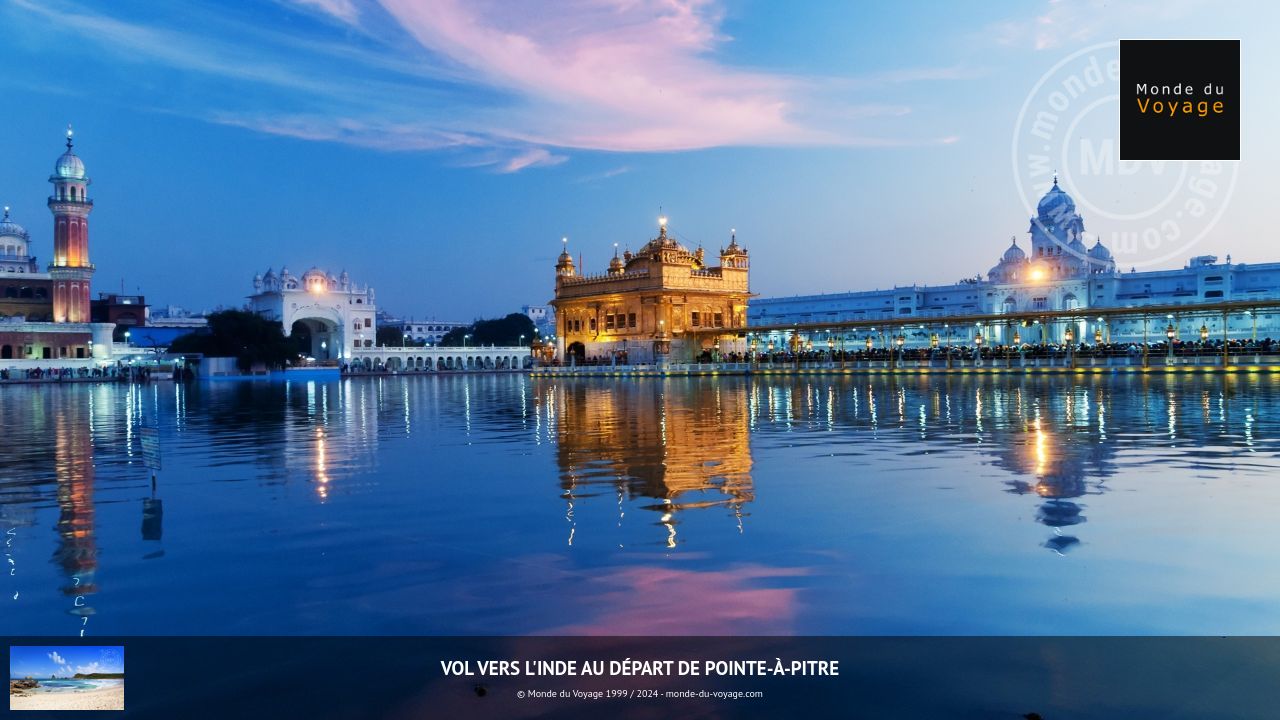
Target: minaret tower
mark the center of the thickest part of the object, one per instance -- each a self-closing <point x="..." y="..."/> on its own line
<point x="70" y="270"/>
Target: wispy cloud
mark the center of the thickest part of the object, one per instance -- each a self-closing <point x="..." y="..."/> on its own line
<point x="533" y="157"/>
<point x="610" y="173"/>
<point x="343" y="10"/>
<point x="56" y="658"/>
<point x="1065" y="22"/>
<point x="515" y="85"/>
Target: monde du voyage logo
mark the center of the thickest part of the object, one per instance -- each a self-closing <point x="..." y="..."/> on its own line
<point x="1150" y="183"/>
<point x="1180" y="99"/>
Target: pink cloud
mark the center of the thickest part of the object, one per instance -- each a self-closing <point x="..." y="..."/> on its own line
<point x="612" y="74"/>
<point x="506" y="86"/>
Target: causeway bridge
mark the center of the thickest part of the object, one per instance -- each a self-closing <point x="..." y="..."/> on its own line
<point x="439" y="359"/>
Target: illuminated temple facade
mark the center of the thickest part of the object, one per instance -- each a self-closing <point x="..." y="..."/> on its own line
<point x="1059" y="270"/>
<point x="662" y="301"/>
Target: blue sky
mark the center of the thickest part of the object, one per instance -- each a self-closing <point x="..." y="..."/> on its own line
<point x="64" y="661"/>
<point x="439" y="150"/>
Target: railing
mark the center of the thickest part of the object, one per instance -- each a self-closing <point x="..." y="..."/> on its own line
<point x="1067" y="362"/>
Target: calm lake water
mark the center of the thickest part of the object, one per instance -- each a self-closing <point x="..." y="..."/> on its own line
<point x="504" y="504"/>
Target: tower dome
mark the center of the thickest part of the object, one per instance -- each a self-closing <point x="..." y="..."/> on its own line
<point x="616" y="266"/>
<point x="564" y="263"/>
<point x="1076" y="245"/>
<point x="1099" y="252"/>
<point x="69" y="165"/>
<point x="1056" y="203"/>
<point x="1014" y="253"/>
<point x="9" y="228"/>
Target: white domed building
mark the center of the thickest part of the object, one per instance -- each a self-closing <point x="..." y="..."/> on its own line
<point x="338" y="316"/>
<point x="15" y="248"/>
<point x="1062" y="269"/>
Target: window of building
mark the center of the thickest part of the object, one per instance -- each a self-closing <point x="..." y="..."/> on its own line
<point x="591" y="324"/>
<point x="368" y="322"/>
<point x="1213" y="293"/>
<point x="1213" y="279"/>
<point x="719" y="320"/>
<point x="608" y="321"/>
<point x="1039" y="303"/>
<point x="631" y="319"/>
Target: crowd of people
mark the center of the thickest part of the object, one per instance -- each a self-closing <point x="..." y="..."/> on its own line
<point x="118" y="372"/>
<point x="965" y="353"/>
<point x="968" y="353"/>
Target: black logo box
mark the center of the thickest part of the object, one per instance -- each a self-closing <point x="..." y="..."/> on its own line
<point x="1178" y="72"/>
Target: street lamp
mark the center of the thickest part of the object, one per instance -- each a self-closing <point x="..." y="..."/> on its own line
<point x="977" y="355"/>
<point x="465" y="338"/>
<point x="1069" y="336"/>
<point x="1171" y="332"/>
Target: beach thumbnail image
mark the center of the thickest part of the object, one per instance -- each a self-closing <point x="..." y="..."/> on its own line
<point x="70" y="677"/>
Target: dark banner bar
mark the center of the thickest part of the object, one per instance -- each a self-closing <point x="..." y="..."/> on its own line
<point x="546" y="677"/>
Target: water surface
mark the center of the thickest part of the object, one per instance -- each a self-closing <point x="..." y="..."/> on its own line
<point x="503" y="504"/>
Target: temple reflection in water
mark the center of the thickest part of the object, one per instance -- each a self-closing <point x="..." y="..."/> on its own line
<point x="430" y="479"/>
<point x="688" y="443"/>
<point x="685" y="444"/>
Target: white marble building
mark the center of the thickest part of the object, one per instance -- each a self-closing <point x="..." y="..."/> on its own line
<point x="339" y="315"/>
<point x="1060" y="271"/>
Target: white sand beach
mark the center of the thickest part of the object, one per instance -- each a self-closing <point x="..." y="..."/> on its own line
<point x="107" y="698"/>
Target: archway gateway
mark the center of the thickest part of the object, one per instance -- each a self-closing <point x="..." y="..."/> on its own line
<point x="317" y="338"/>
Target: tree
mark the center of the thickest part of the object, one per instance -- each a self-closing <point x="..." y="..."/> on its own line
<point x="389" y="335"/>
<point x="498" y="331"/>
<point x="248" y="337"/>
